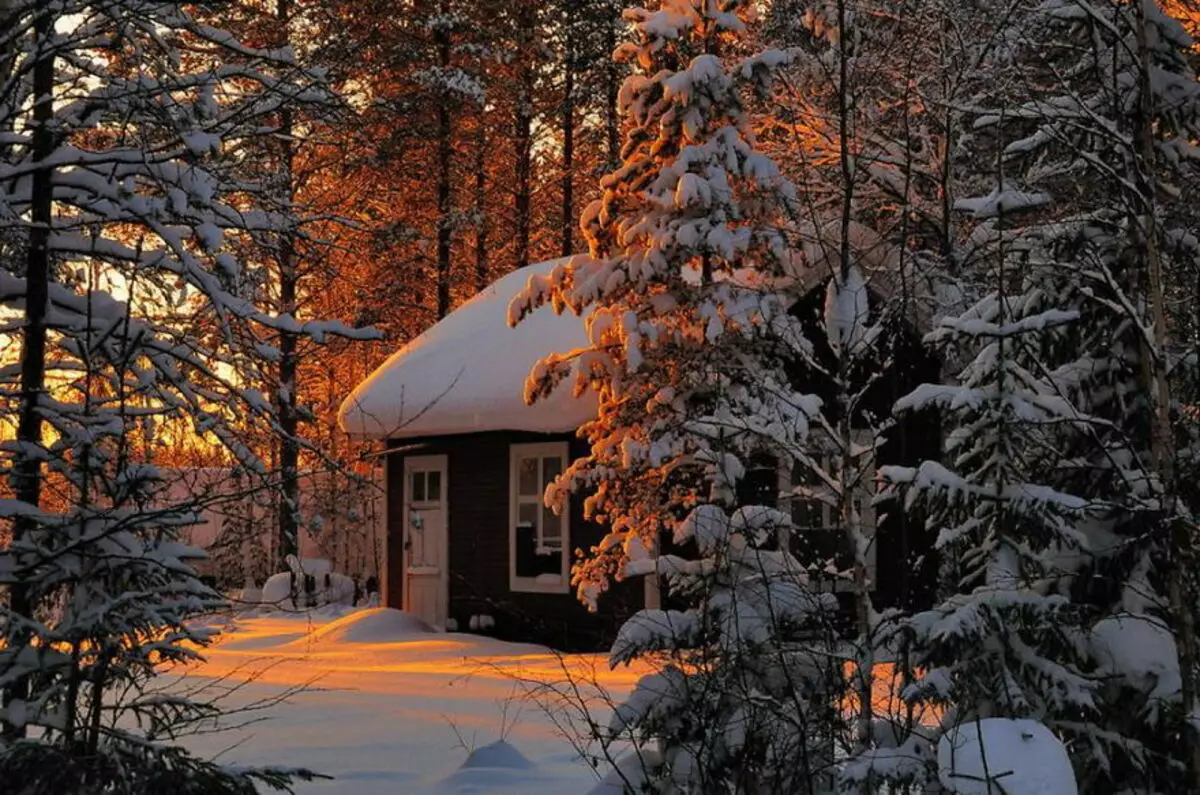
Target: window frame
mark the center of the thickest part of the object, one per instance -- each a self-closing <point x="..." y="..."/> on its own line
<point x="821" y="581"/>
<point x="540" y="450"/>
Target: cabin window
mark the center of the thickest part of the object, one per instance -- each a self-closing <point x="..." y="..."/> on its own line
<point x="819" y="539"/>
<point x="539" y="541"/>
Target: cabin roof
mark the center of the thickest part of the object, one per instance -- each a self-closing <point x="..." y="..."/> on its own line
<point x="466" y="374"/>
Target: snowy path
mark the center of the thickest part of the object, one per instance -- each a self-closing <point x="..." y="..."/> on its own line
<point x="390" y="701"/>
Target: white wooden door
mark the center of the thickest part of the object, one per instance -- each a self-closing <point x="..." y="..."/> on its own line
<point x="425" y="549"/>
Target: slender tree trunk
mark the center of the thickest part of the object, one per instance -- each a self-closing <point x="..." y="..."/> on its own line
<point x="289" y="425"/>
<point x="481" y="218"/>
<point x="523" y="199"/>
<point x="849" y="517"/>
<point x="8" y="60"/>
<point x="945" y="150"/>
<point x="612" y="87"/>
<point x="445" y="187"/>
<point x="27" y="469"/>
<point x="1181" y="539"/>
<point x="568" y="135"/>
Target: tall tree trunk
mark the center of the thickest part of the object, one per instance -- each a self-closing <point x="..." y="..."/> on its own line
<point x="445" y="174"/>
<point x="27" y="468"/>
<point x="851" y="520"/>
<point x="289" y="424"/>
<point x="8" y="60"/>
<point x="523" y="134"/>
<point x="568" y="135"/>
<point x="612" y="88"/>
<point x="1181" y="538"/>
<point x="481" y="219"/>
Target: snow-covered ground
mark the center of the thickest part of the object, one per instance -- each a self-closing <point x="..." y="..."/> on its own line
<point x="389" y="702"/>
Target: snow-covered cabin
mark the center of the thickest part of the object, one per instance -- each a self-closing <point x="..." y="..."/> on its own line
<point x="469" y="544"/>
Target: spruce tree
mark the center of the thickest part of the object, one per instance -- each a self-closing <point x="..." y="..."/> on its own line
<point x="686" y="294"/>
<point x="1088" y="137"/>
<point x="121" y="190"/>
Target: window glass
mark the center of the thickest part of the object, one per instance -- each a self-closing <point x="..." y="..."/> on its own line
<point x="433" y="486"/>
<point x="539" y="538"/>
<point x="527" y="477"/>
<point x="418" y="487"/>
<point x="551" y="468"/>
<point x="551" y="529"/>
<point x="527" y="513"/>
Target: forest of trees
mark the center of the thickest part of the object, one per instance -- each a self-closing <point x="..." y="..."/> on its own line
<point x="216" y="218"/>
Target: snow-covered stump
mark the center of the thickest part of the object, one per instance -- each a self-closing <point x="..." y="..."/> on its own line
<point x="1004" y="756"/>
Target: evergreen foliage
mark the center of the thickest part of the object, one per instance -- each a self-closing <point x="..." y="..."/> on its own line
<point x="685" y="291"/>
<point x="125" y="196"/>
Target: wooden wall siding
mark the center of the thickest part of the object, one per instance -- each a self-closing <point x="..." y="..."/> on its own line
<point x="478" y="495"/>
<point x="906" y="563"/>
<point x="394" y="584"/>
<point x="477" y="500"/>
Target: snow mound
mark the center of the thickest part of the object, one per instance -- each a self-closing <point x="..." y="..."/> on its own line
<point x="276" y="590"/>
<point x="1022" y="758"/>
<point x="467" y="373"/>
<point x="497" y="755"/>
<point x="375" y="625"/>
<point x="497" y="767"/>
<point x="1140" y="649"/>
<point x="329" y="586"/>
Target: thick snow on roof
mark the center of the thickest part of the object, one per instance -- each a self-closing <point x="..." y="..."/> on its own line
<point x="467" y="373"/>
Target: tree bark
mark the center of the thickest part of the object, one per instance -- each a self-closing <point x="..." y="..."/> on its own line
<point x="289" y="421"/>
<point x="851" y="520"/>
<point x="1181" y="534"/>
<point x="27" y="468"/>
<point x="445" y="187"/>
<point x="568" y="135"/>
<point x="481" y="219"/>
<point x="612" y="87"/>
<point x="523" y="135"/>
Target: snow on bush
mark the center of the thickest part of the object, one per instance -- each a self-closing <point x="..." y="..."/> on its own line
<point x="497" y="755"/>
<point x="328" y="587"/>
<point x="629" y="774"/>
<point x="1003" y="756"/>
<point x="1141" y="650"/>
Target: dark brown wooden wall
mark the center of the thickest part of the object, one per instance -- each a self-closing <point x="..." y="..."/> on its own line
<point x="478" y="494"/>
<point x="906" y="562"/>
<point x="478" y="515"/>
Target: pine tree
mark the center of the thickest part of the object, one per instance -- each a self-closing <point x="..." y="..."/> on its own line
<point x="121" y="186"/>
<point x="1088" y="135"/>
<point x="1109" y="113"/>
<point x="686" y="295"/>
<point x="868" y="125"/>
<point x="1005" y="641"/>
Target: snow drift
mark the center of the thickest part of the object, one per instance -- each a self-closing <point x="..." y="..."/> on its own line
<point x="375" y="625"/>
<point x="489" y="768"/>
